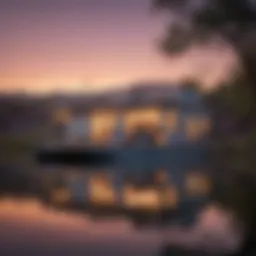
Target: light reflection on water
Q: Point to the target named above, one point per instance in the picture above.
(28, 225)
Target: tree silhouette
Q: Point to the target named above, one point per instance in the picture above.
(200, 22)
(208, 21)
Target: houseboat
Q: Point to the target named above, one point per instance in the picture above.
(151, 144)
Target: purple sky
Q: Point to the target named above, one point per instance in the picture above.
(91, 44)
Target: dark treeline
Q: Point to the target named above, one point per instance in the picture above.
(25, 121)
(233, 104)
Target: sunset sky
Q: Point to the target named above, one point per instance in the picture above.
(49, 45)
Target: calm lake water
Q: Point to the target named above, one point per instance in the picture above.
(29, 228)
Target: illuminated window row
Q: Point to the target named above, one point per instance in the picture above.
(102, 124)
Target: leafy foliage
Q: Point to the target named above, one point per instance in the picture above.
(207, 21)
(233, 103)
(221, 17)
(234, 147)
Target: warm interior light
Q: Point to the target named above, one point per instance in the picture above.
(102, 125)
(145, 199)
(101, 190)
(150, 116)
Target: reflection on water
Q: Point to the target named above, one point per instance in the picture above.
(152, 190)
(101, 190)
(149, 198)
(27, 226)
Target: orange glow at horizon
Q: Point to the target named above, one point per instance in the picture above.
(118, 76)
(94, 48)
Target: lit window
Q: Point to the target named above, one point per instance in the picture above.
(144, 116)
(102, 127)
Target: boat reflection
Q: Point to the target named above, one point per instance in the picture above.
(157, 195)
